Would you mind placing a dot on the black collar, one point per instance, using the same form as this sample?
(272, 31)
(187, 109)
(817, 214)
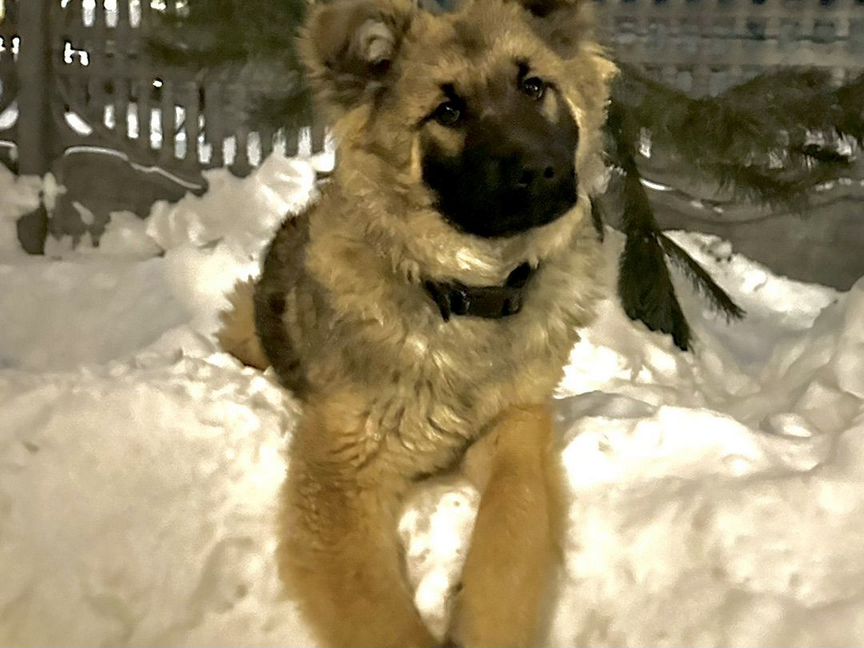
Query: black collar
(490, 302)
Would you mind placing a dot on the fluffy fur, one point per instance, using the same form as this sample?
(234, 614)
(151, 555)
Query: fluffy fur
(393, 393)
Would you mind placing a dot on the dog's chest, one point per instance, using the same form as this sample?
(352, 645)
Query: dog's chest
(428, 387)
(435, 389)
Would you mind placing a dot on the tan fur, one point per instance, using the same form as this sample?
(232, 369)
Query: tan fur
(393, 393)
(507, 582)
(339, 554)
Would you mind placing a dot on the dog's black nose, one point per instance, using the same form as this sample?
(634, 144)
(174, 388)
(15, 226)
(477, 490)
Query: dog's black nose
(535, 177)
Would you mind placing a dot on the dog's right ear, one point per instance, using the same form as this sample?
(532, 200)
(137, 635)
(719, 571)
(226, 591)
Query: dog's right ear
(348, 48)
(564, 25)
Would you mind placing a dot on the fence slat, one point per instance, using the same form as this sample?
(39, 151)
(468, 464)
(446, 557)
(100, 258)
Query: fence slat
(121, 105)
(191, 101)
(267, 136)
(319, 133)
(122, 41)
(100, 25)
(167, 122)
(214, 133)
(96, 102)
(34, 103)
(144, 110)
(145, 11)
(292, 142)
(241, 164)
(123, 20)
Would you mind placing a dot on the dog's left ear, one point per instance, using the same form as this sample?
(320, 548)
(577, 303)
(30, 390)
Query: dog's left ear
(348, 47)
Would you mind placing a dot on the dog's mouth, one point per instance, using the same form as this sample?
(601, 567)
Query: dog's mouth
(520, 211)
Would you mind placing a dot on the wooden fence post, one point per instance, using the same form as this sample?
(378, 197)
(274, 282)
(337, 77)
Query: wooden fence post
(34, 90)
(35, 134)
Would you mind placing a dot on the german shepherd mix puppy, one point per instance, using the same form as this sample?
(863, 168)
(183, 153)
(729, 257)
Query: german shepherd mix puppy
(429, 300)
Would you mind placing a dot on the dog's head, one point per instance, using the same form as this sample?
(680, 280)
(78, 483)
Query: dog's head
(482, 124)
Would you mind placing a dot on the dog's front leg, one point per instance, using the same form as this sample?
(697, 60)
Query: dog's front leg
(339, 556)
(507, 579)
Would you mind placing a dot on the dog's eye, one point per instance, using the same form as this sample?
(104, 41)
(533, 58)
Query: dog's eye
(534, 87)
(448, 113)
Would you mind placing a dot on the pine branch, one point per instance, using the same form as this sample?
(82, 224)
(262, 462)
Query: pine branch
(736, 140)
(802, 100)
(646, 289)
(644, 283)
(789, 188)
(753, 141)
(701, 280)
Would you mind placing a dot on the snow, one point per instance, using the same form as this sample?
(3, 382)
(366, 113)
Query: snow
(717, 497)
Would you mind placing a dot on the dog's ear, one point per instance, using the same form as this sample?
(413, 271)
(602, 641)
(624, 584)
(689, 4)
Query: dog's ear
(348, 48)
(565, 25)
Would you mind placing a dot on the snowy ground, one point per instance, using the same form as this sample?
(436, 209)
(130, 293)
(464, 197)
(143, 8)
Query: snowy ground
(717, 497)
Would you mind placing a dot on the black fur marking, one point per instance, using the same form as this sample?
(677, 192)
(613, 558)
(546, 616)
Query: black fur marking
(276, 304)
(597, 220)
(282, 269)
(517, 168)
